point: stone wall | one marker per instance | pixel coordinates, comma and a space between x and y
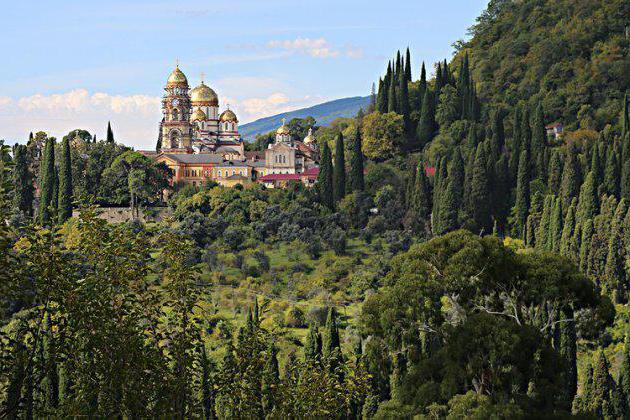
123, 214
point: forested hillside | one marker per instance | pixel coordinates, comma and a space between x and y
569, 55
455, 259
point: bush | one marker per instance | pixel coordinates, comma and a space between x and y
317, 315
294, 318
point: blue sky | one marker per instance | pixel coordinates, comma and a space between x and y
72, 64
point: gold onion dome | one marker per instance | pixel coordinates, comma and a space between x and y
228, 115
204, 94
283, 130
309, 138
177, 77
198, 115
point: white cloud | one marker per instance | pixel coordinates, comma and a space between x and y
134, 118
317, 48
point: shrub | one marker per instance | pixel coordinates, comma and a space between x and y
317, 315
294, 318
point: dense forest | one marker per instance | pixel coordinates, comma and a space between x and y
457, 258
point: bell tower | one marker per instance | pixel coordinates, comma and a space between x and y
176, 130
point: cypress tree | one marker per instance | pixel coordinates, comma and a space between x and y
542, 234
521, 206
399, 67
51, 378
23, 190
502, 191
526, 132
381, 97
555, 228
479, 193
568, 231
110, 133
515, 149
539, 139
331, 346
614, 270
625, 116
588, 202
392, 103
270, 380
585, 245
313, 346
423, 82
339, 172
64, 211
471, 139
624, 191
446, 77
325, 179
439, 188
602, 385
54, 204
498, 133
207, 392
408, 65
448, 209
611, 174
623, 381
403, 103
421, 194
571, 179
357, 182
47, 181
426, 126
555, 172
568, 352
439, 82
596, 166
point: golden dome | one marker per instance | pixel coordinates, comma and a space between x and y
228, 115
177, 77
310, 138
283, 130
203, 94
198, 115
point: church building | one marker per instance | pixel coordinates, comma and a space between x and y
199, 144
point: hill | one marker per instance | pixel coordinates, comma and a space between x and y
324, 114
571, 55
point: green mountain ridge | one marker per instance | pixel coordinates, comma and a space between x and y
323, 113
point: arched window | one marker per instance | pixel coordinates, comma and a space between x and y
219, 174
175, 114
174, 137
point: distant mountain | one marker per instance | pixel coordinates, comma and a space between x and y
323, 114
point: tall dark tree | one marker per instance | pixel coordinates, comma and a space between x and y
521, 206
110, 133
571, 178
423, 80
325, 179
611, 174
23, 190
331, 345
421, 194
568, 351
426, 126
498, 134
624, 187
588, 202
403, 103
381, 97
339, 171
480, 194
515, 149
392, 100
555, 172
47, 182
502, 191
408, 65
539, 140
357, 182
64, 210
313, 345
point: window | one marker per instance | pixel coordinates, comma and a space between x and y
219, 174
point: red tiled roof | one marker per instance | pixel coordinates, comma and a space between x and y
554, 125
280, 177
